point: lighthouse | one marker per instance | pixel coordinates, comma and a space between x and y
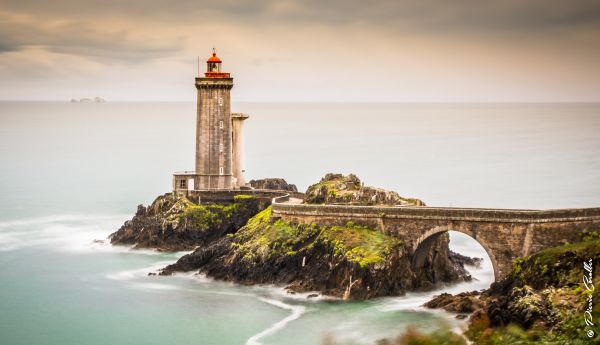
219, 139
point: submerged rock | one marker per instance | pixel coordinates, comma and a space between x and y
340, 189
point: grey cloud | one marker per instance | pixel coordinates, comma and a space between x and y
78, 38
412, 14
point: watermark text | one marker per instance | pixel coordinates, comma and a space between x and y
588, 282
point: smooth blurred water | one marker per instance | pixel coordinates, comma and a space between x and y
72, 173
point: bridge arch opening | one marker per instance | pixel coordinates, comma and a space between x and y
463, 243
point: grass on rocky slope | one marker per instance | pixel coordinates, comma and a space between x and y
558, 266
551, 283
209, 216
262, 238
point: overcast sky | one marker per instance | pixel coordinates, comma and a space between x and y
291, 50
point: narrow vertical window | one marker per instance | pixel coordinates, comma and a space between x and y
221, 171
221, 147
220, 101
221, 124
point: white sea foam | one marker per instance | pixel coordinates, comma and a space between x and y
48, 219
282, 293
297, 311
63, 232
193, 276
67, 233
156, 286
415, 300
138, 272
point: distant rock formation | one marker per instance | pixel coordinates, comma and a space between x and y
340, 189
88, 100
273, 183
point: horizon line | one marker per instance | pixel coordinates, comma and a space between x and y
310, 101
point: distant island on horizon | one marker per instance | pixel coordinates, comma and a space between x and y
88, 100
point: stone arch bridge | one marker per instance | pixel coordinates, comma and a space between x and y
505, 234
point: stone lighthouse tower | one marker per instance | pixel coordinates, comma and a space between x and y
219, 149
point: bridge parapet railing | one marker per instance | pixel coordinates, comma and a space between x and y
426, 212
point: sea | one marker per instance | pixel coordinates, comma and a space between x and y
72, 173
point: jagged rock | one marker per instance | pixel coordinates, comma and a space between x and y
273, 183
543, 295
340, 189
466, 302
174, 223
465, 260
442, 268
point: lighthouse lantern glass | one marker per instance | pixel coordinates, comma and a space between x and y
214, 67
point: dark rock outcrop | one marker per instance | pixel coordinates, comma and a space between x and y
173, 223
465, 260
466, 302
440, 267
340, 189
346, 261
274, 184
543, 299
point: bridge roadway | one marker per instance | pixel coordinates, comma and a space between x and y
505, 234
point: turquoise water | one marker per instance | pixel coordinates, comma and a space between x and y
73, 173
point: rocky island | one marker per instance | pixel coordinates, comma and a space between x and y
240, 241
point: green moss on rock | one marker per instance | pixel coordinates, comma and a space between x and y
340, 189
206, 217
264, 238
557, 266
174, 222
241, 197
359, 244
543, 299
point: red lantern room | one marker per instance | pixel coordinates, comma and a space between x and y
213, 67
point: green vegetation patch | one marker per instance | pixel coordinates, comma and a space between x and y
359, 244
241, 197
550, 283
261, 237
264, 238
208, 216
557, 266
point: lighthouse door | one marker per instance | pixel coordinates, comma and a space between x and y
190, 184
